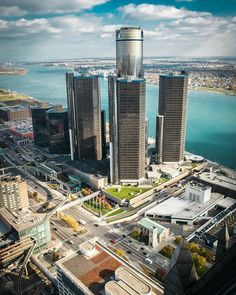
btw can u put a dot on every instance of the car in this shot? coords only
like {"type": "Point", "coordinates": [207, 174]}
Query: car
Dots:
{"type": "Point", "coordinates": [128, 251]}
{"type": "Point", "coordinates": [148, 260]}
{"type": "Point", "coordinates": [142, 248]}
{"type": "Point", "coordinates": [113, 241]}
{"type": "Point", "coordinates": [95, 224]}
{"type": "Point", "coordinates": [124, 236]}
{"type": "Point", "coordinates": [75, 235]}
{"type": "Point", "coordinates": [130, 241]}
{"type": "Point", "coordinates": [145, 253]}
{"type": "Point", "coordinates": [55, 228]}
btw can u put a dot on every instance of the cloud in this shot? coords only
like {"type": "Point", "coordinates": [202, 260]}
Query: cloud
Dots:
{"type": "Point", "coordinates": [16, 7]}
{"type": "Point", "coordinates": [147, 11]}
{"type": "Point", "coordinates": [11, 11]}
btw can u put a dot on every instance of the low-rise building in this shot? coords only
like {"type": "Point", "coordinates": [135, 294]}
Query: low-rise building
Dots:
{"type": "Point", "coordinates": [11, 113]}
{"type": "Point", "coordinates": [28, 224]}
{"type": "Point", "coordinates": [99, 273]}
{"type": "Point", "coordinates": [91, 172]}
{"type": "Point", "coordinates": [156, 232]}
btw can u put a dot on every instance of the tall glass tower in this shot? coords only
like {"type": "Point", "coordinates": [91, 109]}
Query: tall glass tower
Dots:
{"type": "Point", "coordinates": [127, 96]}
{"type": "Point", "coordinates": [171, 120]}
{"type": "Point", "coordinates": [84, 110]}
{"type": "Point", "coordinates": [129, 52]}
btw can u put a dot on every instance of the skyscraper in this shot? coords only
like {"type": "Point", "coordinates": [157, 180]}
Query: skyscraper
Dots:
{"type": "Point", "coordinates": [171, 121]}
{"type": "Point", "coordinates": [127, 96]}
{"type": "Point", "coordinates": [103, 136]}
{"type": "Point", "coordinates": [129, 52]}
{"type": "Point", "coordinates": [84, 110]}
{"type": "Point", "coordinates": [57, 124]}
{"type": "Point", "coordinates": [39, 120]}
{"type": "Point", "coordinates": [13, 193]}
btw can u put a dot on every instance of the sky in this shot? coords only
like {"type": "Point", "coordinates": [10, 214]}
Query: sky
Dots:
{"type": "Point", "coordinates": [41, 30]}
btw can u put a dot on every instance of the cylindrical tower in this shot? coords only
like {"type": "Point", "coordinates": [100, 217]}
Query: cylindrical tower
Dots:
{"type": "Point", "coordinates": [129, 52]}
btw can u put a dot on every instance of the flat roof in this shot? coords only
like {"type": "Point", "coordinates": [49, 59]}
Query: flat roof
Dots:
{"type": "Point", "coordinates": [98, 169]}
{"type": "Point", "coordinates": [134, 282]}
{"type": "Point", "coordinates": [180, 208]}
{"type": "Point", "coordinates": [194, 209]}
{"type": "Point", "coordinates": [150, 224]}
{"type": "Point", "coordinates": [169, 207]}
{"type": "Point", "coordinates": [214, 178]}
{"type": "Point", "coordinates": [21, 220]}
{"type": "Point", "coordinates": [226, 202]}
{"type": "Point", "coordinates": [93, 272]}
{"type": "Point", "coordinates": [198, 185]}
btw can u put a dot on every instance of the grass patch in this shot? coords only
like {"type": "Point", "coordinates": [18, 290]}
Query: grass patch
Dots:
{"type": "Point", "coordinates": [119, 211]}
{"type": "Point", "coordinates": [96, 209]}
{"type": "Point", "coordinates": [127, 192]}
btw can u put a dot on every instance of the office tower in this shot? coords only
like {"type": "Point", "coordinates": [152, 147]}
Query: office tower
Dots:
{"type": "Point", "coordinates": [171, 121]}
{"type": "Point", "coordinates": [127, 95]}
{"type": "Point", "coordinates": [84, 110]}
{"type": "Point", "coordinates": [113, 133]}
{"type": "Point", "coordinates": [131, 129]}
{"type": "Point", "coordinates": [103, 135]}
{"type": "Point", "coordinates": [129, 52]}
{"type": "Point", "coordinates": [223, 241]}
{"type": "Point", "coordinates": [57, 124]}
{"type": "Point", "coordinates": [13, 193]}
{"type": "Point", "coordinates": [39, 121]}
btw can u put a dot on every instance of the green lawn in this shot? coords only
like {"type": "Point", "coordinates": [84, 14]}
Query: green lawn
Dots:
{"type": "Point", "coordinates": [126, 192]}
{"type": "Point", "coordinates": [96, 209]}
{"type": "Point", "coordinates": [119, 211]}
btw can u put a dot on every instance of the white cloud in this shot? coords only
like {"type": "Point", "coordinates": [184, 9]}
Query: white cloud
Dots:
{"type": "Point", "coordinates": [11, 11]}
{"type": "Point", "coordinates": [147, 11]}
{"type": "Point", "coordinates": [15, 7]}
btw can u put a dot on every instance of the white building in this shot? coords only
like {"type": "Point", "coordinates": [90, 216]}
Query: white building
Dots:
{"type": "Point", "coordinates": [196, 191]}
{"type": "Point", "coordinates": [156, 232]}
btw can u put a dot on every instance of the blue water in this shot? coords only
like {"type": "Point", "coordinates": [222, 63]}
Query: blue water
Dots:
{"type": "Point", "coordinates": [211, 118]}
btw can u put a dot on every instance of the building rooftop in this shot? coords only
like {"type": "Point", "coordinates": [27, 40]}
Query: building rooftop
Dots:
{"type": "Point", "coordinates": [194, 209]}
{"type": "Point", "coordinates": [98, 169]}
{"type": "Point", "coordinates": [7, 179]}
{"type": "Point", "coordinates": [21, 220]}
{"type": "Point", "coordinates": [180, 208]}
{"type": "Point", "coordinates": [14, 108]}
{"type": "Point", "coordinates": [198, 185]}
{"type": "Point", "coordinates": [93, 272]}
{"type": "Point", "coordinates": [132, 281]}
{"type": "Point", "coordinates": [150, 224]}
{"type": "Point", "coordinates": [214, 178]}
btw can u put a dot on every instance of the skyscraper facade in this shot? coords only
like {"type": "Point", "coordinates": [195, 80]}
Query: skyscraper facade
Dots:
{"type": "Point", "coordinates": [127, 96]}
{"type": "Point", "coordinates": [171, 121]}
{"type": "Point", "coordinates": [57, 124]}
{"type": "Point", "coordinates": [84, 109]}
{"type": "Point", "coordinates": [13, 193]}
{"type": "Point", "coordinates": [39, 121]}
{"type": "Point", "coordinates": [129, 52]}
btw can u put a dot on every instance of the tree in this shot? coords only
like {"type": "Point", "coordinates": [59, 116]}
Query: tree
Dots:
{"type": "Point", "coordinates": [193, 247]}
{"type": "Point", "coordinates": [120, 252]}
{"type": "Point", "coordinates": [167, 251]}
{"type": "Point", "coordinates": [178, 240]}
{"type": "Point", "coordinates": [136, 233]}
{"type": "Point", "coordinates": [35, 194]}
{"type": "Point", "coordinates": [199, 260]}
{"type": "Point", "coordinates": [30, 194]}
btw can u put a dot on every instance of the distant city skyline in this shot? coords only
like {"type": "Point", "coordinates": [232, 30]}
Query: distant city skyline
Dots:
{"type": "Point", "coordinates": [41, 30]}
